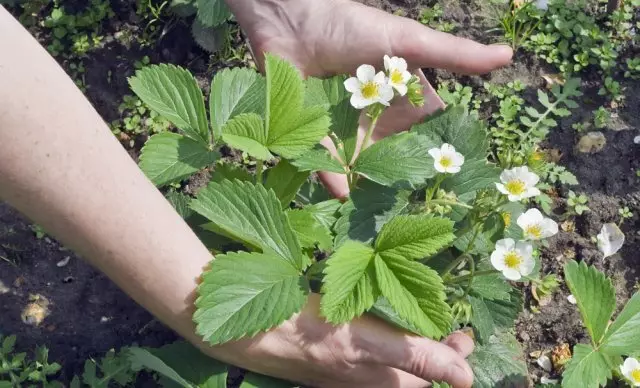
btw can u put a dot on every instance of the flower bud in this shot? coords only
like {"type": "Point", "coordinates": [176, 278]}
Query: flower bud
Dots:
{"type": "Point", "coordinates": [415, 92]}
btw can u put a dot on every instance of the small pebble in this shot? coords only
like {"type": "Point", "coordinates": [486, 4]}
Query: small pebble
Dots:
{"type": "Point", "coordinates": [572, 299]}
{"type": "Point", "coordinates": [63, 262]}
{"type": "Point", "coordinates": [524, 336]}
{"type": "Point", "coordinates": [105, 319]}
{"type": "Point", "coordinates": [545, 363]}
{"type": "Point", "coordinates": [547, 380]}
{"type": "Point", "coordinates": [3, 289]}
{"type": "Point", "coordinates": [592, 142]}
{"type": "Point", "coordinates": [636, 139]}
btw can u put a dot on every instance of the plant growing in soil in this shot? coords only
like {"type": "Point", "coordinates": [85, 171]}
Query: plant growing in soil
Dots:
{"type": "Point", "coordinates": [428, 239]}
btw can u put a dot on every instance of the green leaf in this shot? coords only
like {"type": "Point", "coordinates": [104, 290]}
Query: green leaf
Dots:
{"type": "Point", "coordinates": [252, 215]}
{"type": "Point", "coordinates": [292, 128]}
{"type": "Point", "coordinates": [401, 160]}
{"type": "Point", "coordinates": [344, 117]}
{"type": "Point", "coordinates": [588, 368]}
{"type": "Point", "coordinates": [349, 285]}
{"type": "Point", "coordinates": [595, 296]}
{"type": "Point", "coordinates": [181, 364]}
{"type": "Point", "coordinates": [285, 180]}
{"type": "Point", "coordinates": [246, 132]}
{"type": "Point", "coordinates": [318, 159]}
{"type": "Point", "coordinates": [254, 380]}
{"type": "Point", "coordinates": [235, 91]}
{"type": "Point", "coordinates": [309, 230]}
{"type": "Point", "coordinates": [384, 310]}
{"type": "Point", "coordinates": [230, 171]}
{"type": "Point", "coordinates": [213, 12]}
{"type": "Point", "coordinates": [416, 292]}
{"type": "Point", "coordinates": [623, 336]}
{"type": "Point", "coordinates": [326, 212]}
{"type": "Point", "coordinates": [174, 94]}
{"type": "Point", "coordinates": [473, 176]}
{"type": "Point", "coordinates": [312, 192]}
{"type": "Point", "coordinates": [491, 315]}
{"type": "Point", "coordinates": [491, 287]}
{"type": "Point", "coordinates": [456, 127]}
{"type": "Point", "coordinates": [414, 237]}
{"type": "Point", "coordinates": [246, 293]}
{"type": "Point", "coordinates": [168, 157]}
{"type": "Point", "coordinates": [499, 364]}
{"type": "Point", "coordinates": [370, 206]}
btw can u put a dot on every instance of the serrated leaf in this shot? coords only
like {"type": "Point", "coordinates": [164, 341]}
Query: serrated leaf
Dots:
{"type": "Point", "coordinates": [255, 380]}
{"type": "Point", "coordinates": [312, 192]}
{"type": "Point", "coordinates": [526, 121]}
{"type": "Point", "coordinates": [383, 309]}
{"type": "Point", "coordinates": [174, 94]}
{"type": "Point", "coordinates": [473, 176]}
{"type": "Point", "coordinates": [349, 285]}
{"type": "Point", "coordinates": [595, 296]}
{"type": "Point", "coordinates": [309, 230]}
{"type": "Point", "coordinates": [245, 293]}
{"type": "Point", "coordinates": [213, 12]}
{"type": "Point", "coordinates": [401, 160]}
{"type": "Point", "coordinates": [246, 132]}
{"type": "Point", "coordinates": [181, 363]}
{"type": "Point", "coordinates": [285, 180]}
{"type": "Point", "coordinates": [562, 112]}
{"type": "Point", "coordinates": [531, 111]}
{"type": "Point", "coordinates": [414, 237]}
{"type": "Point", "coordinates": [499, 364]}
{"type": "Point", "coordinates": [623, 336]}
{"type": "Point", "coordinates": [416, 292]}
{"type": "Point", "coordinates": [456, 127]}
{"type": "Point", "coordinates": [252, 215]}
{"type": "Point", "coordinates": [326, 212]}
{"type": "Point", "coordinates": [318, 159]}
{"type": "Point", "coordinates": [230, 171]}
{"type": "Point", "coordinates": [491, 287]}
{"type": "Point", "coordinates": [344, 117]}
{"type": "Point", "coordinates": [292, 129]}
{"type": "Point", "coordinates": [369, 207]}
{"type": "Point", "coordinates": [544, 99]}
{"type": "Point", "coordinates": [491, 315]}
{"type": "Point", "coordinates": [588, 368]}
{"type": "Point", "coordinates": [235, 91]}
{"type": "Point", "coordinates": [168, 157]}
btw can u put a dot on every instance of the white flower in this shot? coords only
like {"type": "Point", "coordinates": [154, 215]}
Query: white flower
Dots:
{"type": "Point", "coordinates": [368, 88]}
{"type": "Point", "coordinates": [518, 183]}
{"type": "Point", "coordinates": [536, 226]}
{"type": "Point", "coordinates": [572, 299]}
{"type": "Point", "coordinates": [542, 4]}
{"type": "Point", "coordinates": [398, 75]}
{"type": "Point", "coordinates": [446, 159]}
{"type": "Point", "coordinates": [513, 259]}
{"type": "Point", "coordinates": [631, 370]}
{"type": "Point", "coordinates": [610, 239]}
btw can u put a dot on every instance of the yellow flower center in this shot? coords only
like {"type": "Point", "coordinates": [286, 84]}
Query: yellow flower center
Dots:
{"type": "Point", "coordinates": [446, 162]}
{"type": "Point", "coordinates": [396, 77]}
{"type": "Point", "coordinates": [635, 375]}
{"type": "Point", "coordinates": [534, 231]}
{"type": "Point", "coordinates": [512, 260]}
{"type": "Point", "coordinates": [515, 187]}
{"type": "Point", "coordinates": [369, 90]}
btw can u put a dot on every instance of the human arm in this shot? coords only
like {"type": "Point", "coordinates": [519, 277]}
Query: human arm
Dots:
{"type": "Point", "coordinates": [61, 166]}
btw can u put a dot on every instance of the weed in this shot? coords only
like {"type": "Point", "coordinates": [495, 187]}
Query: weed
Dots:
{"type": "Point", "coordinates": [577, 204]}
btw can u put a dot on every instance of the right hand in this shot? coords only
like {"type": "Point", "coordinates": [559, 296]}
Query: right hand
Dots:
{"type": "Point", "coordinates": [366, 353]}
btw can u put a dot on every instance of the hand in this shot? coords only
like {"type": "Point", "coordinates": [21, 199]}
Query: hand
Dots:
{"type": "Point", "coordinates": [327, 37]}
{"type": "Point", "coordinates": [364, 353]}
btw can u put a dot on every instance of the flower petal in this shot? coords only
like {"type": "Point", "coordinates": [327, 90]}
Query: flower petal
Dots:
{"type": "Point", "coordinates": [401, 88]}
{"type": "Point", "coordinates": [438, 166]}
{"type": "Point", "coordinates": [359, 102]}
{"type": "Point", "coordinates": [447, 148]}
{"type": "Point", "coordinates": [531, 192]}
{"type": "Point", "coordinates": [549, 228]}
{"type": "Point", "coordinates": [352, 85]}
{"type": "Point", "coordinates": [453, 169]}
{"type": "Point", "coordinates": [399, 64]}
{"type": "Point", "coordinates": [387, 62]}
{"type": "Point", "coordinates": [501, 188]}
{"type": "Point", "coordinates": [380, 78]}
{"type": "Point", "coordinates": [366, 73]}
{"type": "Point", "coordinates": [507, 175]}
{"type": "Point", "coordinates": [527, 266]}
{"type": "Point", "coordinates": [524, 249]}
{"type": "Point", "coordinates": [505, 245]}
{"type": "Point", "coordinates": [610, 239]}
{"type": "Point", "coordinates": [386, 94]}
{"type": "Point", "coordinates": [497, 260]}
{"type": "Point", "coordinates": [435, 153]}
{"type": "Point", "coordinates": [457, 159]}
{"type": "Point", "coordinates": [511, 274]}
{"type": "Point", "coordinates": [406, 76]}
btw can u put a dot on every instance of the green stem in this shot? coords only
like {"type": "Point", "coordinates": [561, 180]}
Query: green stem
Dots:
{"type": "Point", "coordinates": [472, 271]}
{"type": "Point", "coordinates": [454, 264]}
{"type": "Point", "coordinates": [462, 278]}
{"type": "Point", "coordinates": [447, 202]}
{"type": "Point", "coordinates": [372, 126]}
{"type": "Point", "coordinates": [259, 168]}
{"type": "Point", "coordinates": [433, 190]}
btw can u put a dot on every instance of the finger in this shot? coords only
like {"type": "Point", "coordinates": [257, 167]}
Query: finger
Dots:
{"type": "Point", "coordinates": [336, 184]}
{"type": "Point", "coordinates": [461, 343]}
{"type": "Point", "coordinates": [424, 47]}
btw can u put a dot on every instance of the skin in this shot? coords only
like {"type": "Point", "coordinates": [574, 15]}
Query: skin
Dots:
{"type": "Point", "coordinates": [61, 167]}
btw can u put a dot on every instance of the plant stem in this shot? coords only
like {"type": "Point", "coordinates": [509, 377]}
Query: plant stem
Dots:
{"type": "Point", "coordinates": [447, 202]}
{"type": "Point", "coordinates": [372, 126]}
{"type": "Point", "coordinates": [432, 191]}
{"type": "Point", "coordinates": [259, 168]}
{"type": "Point", "coordinates": [472, 271]}
{"type": "Point", "coordinates": [462, 278]}
{"type": "Point", "coordinates": [454, 264]}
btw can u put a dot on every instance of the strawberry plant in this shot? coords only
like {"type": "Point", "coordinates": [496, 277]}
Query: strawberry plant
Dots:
{"type": "Point", "coordinates": [432, 237]}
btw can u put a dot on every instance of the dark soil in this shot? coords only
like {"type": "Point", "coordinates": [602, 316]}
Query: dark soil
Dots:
{"type": "Point", "coordinates": [89, 315]}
